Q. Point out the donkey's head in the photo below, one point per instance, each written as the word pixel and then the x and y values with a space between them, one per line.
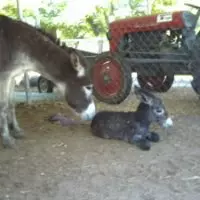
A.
pixel 153 108
pixel 78 86
pixel 73 79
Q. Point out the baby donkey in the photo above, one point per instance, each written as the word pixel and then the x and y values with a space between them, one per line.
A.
pixel 133 127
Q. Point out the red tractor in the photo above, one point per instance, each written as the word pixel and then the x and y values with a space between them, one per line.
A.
pixel 156 47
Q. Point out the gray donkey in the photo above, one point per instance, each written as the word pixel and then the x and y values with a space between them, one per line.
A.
pixel 133 127
pixel 24 48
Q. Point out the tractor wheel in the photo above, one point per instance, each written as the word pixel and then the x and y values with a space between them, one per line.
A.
pixel 44 85
pixel 195 85
pixel 156 83
pixel 111 79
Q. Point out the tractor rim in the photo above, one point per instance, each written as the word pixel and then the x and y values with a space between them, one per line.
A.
pixel 107 77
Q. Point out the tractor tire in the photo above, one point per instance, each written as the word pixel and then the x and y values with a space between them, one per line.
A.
pixel 111 79
pixel 195 83
pixel 159 84
pixel 44 85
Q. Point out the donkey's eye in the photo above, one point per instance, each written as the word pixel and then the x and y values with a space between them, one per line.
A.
pixel 88 90
pixel 89 87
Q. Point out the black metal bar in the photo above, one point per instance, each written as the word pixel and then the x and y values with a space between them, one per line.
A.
pixel 155 53
pixel 161 61
pixel 90 56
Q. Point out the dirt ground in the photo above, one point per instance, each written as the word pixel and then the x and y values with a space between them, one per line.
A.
pixel 68 163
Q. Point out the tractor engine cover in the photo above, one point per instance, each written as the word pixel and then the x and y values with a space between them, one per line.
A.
pixel 160 22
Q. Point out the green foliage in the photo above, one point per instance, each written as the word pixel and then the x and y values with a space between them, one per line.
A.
pixel 11 10
pixel 77 31
pixel 97 22
pixel 48 13
pixel 135 6
pixel 158 5
pixel 94 24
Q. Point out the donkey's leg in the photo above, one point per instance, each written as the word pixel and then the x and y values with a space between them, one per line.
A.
pixel 7 140
pixel 15 130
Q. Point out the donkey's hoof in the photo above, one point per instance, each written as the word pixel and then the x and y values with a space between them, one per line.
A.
pixel 145 145
pixel 8 142
pixel 18 134
pixel 154 137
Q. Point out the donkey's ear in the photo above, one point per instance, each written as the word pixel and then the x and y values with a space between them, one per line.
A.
pixel 144 95
pixel 76 63
pixel 73 57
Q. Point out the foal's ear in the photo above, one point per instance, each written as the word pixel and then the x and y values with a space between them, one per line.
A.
pixel 144 95
pixel 76 62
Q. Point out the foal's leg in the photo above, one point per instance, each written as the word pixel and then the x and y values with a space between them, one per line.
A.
pixel 7 140
pixel 15 130
pixel 153 137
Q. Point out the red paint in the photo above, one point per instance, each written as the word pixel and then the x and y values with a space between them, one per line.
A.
pixel 145 23
pixel 111 68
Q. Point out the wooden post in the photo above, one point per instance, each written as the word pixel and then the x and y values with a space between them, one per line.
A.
pixel 27 87
pixel 100 46
pixel 37 17
pixel 76 44
pixel 27 82
pixel 19 10
pixel 149 6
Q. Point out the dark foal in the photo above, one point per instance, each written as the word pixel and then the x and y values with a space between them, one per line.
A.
pixel 23 48
pixel 133 127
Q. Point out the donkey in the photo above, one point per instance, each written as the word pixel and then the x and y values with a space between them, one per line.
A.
pixel 23 48
pixel 133 127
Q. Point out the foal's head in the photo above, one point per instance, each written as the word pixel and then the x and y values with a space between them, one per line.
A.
pixel 153 108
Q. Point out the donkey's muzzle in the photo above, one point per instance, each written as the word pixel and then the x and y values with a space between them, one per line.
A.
pixel 89 112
